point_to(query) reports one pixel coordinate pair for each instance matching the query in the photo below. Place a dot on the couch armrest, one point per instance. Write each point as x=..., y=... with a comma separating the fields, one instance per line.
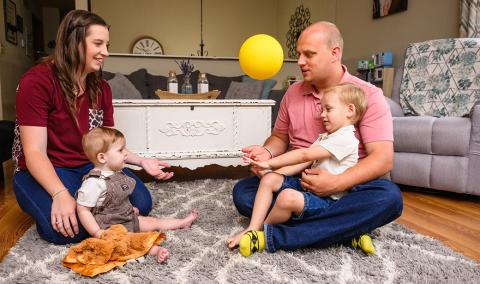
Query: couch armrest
x=394, y=107
x=474, y=152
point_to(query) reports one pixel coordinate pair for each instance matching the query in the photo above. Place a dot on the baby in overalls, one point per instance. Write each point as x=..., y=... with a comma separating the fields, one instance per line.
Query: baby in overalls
x=103, y=198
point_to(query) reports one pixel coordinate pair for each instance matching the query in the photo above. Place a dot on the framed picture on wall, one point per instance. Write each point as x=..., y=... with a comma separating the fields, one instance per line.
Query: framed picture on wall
x=10, y=11
x=382, y=8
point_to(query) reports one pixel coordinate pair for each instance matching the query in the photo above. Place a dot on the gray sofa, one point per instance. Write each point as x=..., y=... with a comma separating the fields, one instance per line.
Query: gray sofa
x=436, y=116
x=142, y=85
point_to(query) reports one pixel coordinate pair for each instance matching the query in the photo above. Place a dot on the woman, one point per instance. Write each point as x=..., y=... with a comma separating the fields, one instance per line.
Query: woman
x=58, y=101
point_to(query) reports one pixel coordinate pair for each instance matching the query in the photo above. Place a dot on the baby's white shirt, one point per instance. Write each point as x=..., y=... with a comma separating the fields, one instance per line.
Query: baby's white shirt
x=93, y=190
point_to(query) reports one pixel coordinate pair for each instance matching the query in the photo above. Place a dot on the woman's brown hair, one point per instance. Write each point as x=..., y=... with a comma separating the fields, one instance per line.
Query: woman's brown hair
x=69, y=57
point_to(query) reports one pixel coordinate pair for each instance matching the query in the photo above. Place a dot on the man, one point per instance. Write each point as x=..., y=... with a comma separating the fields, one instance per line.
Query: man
x=371, y=202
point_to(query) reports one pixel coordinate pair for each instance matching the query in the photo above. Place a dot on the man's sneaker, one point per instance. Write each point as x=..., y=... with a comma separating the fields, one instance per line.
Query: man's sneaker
x=365, y=243
x=252, y=241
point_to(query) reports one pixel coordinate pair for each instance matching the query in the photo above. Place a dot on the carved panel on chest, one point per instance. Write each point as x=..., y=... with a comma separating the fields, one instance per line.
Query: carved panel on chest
x=193, y=133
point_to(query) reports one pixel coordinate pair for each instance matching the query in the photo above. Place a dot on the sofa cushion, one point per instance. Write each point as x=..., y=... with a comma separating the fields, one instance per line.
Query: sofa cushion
x=137, y=78
x=244, y=90
x=413, y=134
x=221, y=83
x=267, y=86
x=430, y=171
x=155, y=82
x=447, y=136
x=449, y=173
x=107, y=75
x=451, y=136
x=412, y=169
x=122, y=88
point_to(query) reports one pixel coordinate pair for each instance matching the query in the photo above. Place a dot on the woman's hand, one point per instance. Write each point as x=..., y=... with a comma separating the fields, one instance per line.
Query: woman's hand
x=154, y=168
x=63, y=216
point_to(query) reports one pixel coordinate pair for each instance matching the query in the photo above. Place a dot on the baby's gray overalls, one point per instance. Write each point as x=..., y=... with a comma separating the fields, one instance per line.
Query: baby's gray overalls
x=116, y=208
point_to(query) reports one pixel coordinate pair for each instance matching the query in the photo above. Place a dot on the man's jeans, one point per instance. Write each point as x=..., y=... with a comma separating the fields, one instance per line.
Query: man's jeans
x=364, y=208
x=35, y=201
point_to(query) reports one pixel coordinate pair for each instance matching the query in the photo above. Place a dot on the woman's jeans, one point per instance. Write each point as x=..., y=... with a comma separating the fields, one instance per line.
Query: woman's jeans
x=36, y=201
x=365, y=208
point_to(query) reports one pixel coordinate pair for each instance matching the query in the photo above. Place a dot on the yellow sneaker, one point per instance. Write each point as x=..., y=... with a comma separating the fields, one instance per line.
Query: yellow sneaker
x=365, y=243
x=252, y=241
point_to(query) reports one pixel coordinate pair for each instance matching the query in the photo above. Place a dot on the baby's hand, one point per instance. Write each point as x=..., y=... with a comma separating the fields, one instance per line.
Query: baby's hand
x=261, y=165
x=135, y=211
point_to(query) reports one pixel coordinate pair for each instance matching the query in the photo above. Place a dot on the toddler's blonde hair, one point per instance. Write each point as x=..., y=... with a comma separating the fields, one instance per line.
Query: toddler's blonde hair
x=350, y=94
x=99, y=140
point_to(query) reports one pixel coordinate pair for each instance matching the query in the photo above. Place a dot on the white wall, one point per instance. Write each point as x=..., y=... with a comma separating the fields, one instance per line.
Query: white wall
x=423, y=20
x=320, y=10
x=227, y=23
x=176, y=24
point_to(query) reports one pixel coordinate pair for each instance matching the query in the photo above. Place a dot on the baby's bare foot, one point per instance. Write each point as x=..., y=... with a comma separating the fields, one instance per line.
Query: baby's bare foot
x=232, y=241
x=187, y=221
x=159, y=253
x=162, y=254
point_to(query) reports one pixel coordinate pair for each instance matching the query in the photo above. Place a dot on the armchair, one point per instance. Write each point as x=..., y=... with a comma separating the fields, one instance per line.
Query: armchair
x=436, y=116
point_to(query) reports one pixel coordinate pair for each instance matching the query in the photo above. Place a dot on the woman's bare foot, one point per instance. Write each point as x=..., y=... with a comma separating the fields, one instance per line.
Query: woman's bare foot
x=232, y=241
x=160, y=254
x=187, y=221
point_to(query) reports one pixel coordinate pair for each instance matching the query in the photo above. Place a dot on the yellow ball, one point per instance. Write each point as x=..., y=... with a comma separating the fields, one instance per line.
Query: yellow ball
x=261, y=56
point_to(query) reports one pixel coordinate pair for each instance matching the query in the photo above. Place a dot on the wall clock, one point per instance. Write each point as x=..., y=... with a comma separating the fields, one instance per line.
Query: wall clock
x=147, y=45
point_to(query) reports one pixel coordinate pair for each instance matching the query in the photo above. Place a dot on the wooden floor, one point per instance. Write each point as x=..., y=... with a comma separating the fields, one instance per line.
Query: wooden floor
x=450, y=218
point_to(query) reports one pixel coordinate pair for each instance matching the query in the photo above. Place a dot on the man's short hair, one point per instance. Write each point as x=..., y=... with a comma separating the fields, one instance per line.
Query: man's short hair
x=99, y=140
x=351, y=94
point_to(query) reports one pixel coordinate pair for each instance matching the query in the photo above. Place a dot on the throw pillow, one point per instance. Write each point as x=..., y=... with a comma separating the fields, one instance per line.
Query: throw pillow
x=244, y=90
x=267, y=86
x=441, y=77
x=221, y=83
x=139, y=80
x=154, y=83
x=122, y=88
x=107, y=75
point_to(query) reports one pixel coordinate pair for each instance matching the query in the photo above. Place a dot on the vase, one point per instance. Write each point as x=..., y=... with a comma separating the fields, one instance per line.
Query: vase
x=186, y=85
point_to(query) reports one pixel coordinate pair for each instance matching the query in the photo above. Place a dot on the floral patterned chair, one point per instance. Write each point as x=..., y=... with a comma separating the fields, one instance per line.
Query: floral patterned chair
x=436, y=116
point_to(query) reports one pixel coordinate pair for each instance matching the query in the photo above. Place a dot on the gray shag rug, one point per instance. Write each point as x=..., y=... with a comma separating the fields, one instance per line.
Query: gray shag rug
x=199, y=254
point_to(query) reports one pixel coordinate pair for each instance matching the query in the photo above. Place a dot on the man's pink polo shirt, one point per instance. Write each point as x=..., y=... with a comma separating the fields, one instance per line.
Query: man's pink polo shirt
x=300, y=109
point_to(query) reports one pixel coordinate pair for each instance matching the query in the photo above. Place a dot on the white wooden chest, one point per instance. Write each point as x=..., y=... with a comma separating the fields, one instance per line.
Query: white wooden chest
x=193, y=133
